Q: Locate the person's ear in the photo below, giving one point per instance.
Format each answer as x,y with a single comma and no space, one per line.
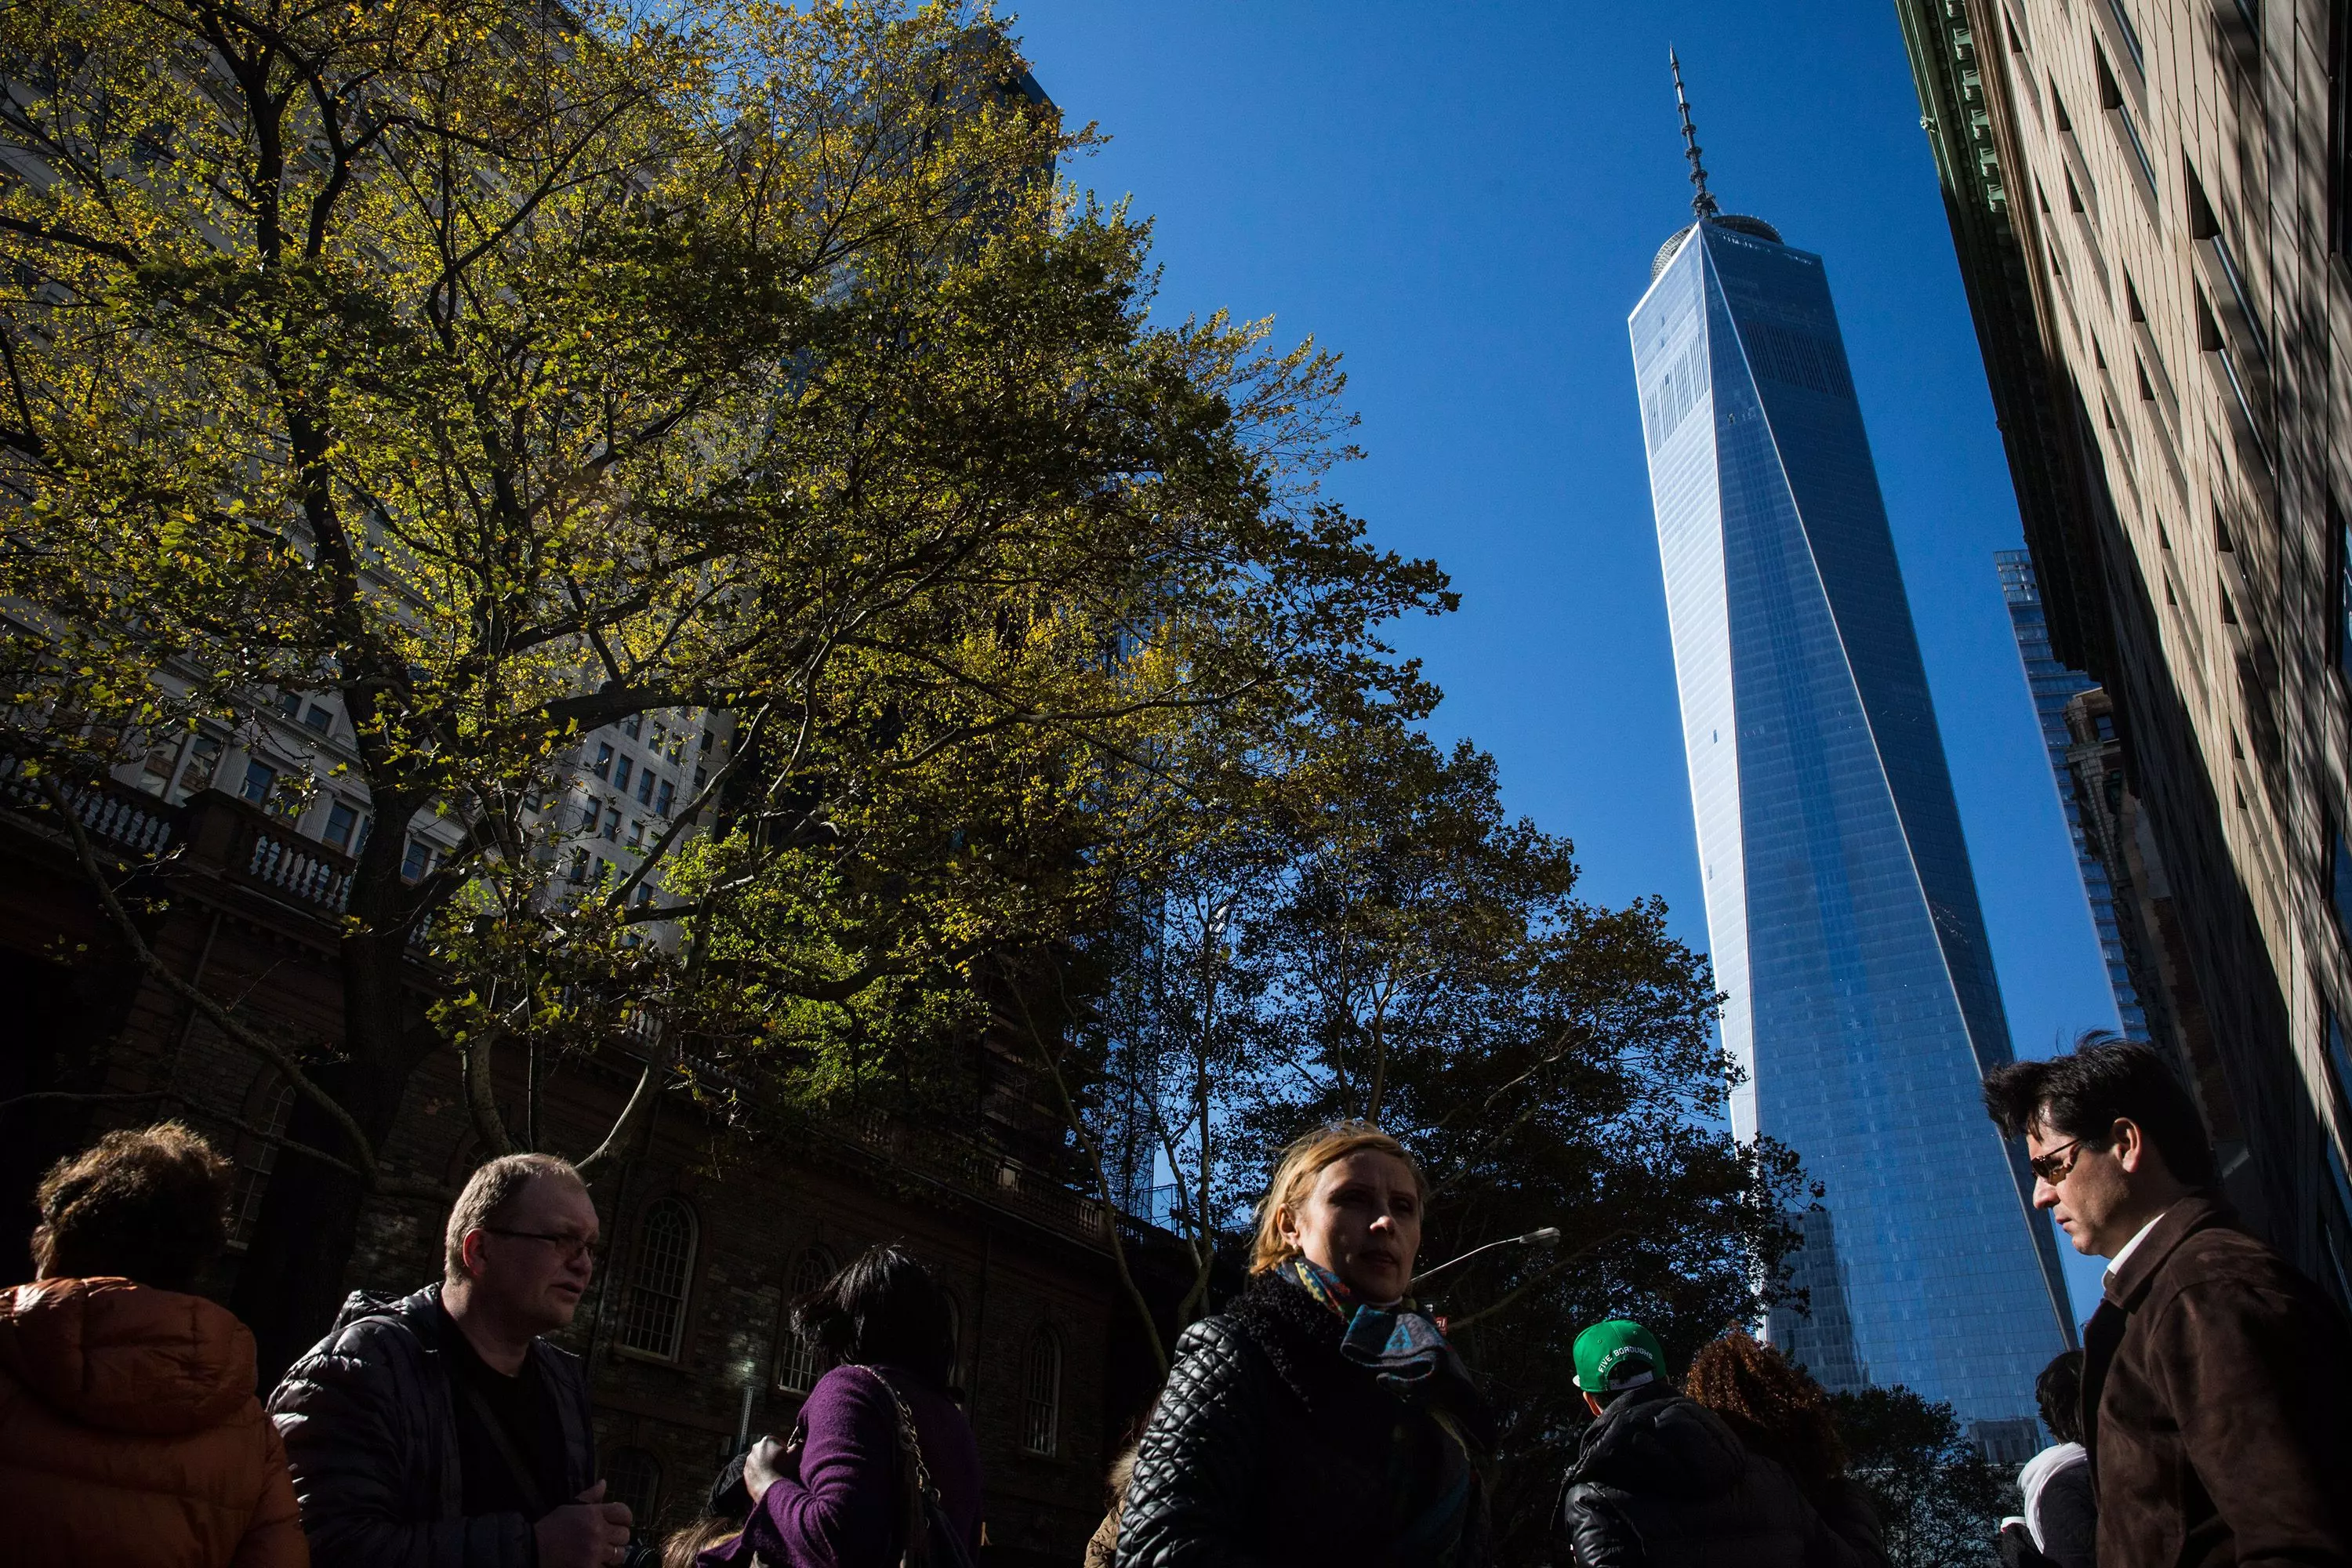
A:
470,1250
1285,1220
2130,1147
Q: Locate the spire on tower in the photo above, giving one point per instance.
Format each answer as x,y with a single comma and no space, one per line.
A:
1703,203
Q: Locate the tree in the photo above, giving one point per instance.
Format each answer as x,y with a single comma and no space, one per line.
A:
506,373
1360,930
1939,1499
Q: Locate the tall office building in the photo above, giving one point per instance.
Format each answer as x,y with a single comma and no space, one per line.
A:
1841,913
2151,204
2055,688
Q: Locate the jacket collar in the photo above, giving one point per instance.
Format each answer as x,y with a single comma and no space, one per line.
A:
2128,1285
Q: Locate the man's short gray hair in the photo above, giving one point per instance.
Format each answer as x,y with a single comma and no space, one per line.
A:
490,1190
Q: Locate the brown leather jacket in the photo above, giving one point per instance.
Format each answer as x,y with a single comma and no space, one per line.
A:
2217,1383
129,1433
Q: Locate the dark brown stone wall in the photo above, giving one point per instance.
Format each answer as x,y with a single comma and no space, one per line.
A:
87,1022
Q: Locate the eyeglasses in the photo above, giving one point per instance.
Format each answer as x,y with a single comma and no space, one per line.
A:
574,1246
2056,1165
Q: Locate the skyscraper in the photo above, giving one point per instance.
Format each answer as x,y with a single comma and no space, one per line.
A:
2054,686
1841,913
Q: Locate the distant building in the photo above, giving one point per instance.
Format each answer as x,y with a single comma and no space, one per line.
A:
2151,203
2054,687
1842,911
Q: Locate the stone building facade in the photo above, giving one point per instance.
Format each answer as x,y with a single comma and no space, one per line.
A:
708,1236
2149,203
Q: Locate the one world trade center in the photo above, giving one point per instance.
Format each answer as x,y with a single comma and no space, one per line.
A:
1841,909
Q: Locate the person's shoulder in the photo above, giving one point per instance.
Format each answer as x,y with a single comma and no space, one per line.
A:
373,1327
2223,1256
851,1391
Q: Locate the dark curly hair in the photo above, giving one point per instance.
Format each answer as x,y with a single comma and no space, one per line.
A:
1773,1405
148,1204
883,1307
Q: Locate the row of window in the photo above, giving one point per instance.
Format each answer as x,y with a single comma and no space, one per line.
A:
654,1316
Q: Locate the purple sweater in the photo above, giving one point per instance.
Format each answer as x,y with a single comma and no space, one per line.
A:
838,1508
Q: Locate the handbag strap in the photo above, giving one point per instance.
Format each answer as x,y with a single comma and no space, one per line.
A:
909,1440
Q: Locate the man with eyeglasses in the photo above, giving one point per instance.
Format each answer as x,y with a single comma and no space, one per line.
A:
2216,1380
440,1429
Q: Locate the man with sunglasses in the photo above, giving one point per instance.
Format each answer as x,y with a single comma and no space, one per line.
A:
2216,1380
440,1429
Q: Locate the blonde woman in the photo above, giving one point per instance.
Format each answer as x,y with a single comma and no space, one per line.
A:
1321,1418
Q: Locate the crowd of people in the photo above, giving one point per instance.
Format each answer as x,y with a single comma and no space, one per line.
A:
1320,1417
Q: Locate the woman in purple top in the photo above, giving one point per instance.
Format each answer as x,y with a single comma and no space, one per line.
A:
833,1495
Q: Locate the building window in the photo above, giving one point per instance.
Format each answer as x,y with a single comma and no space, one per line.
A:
1041,1395
2339,1073
2130,35
578,875
634,725
261,1157
319,719
620,766
2340,132
603,767
655,1319
2341,532
798,1363
2339,879
418,862
343,825
665,797
612,824
196,773
633,1475
260,779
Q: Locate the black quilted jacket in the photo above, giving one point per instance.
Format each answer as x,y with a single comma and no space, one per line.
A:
371,1436
1660,1482
1268,1449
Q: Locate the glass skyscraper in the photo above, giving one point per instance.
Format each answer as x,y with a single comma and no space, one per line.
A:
2054,686
1841,909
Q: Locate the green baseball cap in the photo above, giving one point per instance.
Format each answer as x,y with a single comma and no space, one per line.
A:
1619,1354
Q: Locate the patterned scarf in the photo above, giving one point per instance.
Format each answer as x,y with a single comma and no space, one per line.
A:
1430,1473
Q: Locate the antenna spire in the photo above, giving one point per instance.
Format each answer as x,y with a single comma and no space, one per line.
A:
1703,203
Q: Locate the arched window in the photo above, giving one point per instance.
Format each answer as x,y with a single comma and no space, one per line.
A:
655,1319
799,1366
1041,1391
633,1475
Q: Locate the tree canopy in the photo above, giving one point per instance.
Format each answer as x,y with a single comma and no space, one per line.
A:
506,372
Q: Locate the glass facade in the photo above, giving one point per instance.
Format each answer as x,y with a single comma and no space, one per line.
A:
2055,685
1841,913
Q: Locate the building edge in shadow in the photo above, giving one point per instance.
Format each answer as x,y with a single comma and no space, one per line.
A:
2136,191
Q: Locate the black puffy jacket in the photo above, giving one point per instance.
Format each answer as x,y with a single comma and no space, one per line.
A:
371,1432
1661,1482
1267,1447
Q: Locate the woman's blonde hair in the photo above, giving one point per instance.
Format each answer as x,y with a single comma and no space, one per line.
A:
1304,1159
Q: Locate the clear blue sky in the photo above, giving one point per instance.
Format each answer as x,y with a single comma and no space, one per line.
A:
1464,200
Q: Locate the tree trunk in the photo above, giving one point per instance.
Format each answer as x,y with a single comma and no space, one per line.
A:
293,1278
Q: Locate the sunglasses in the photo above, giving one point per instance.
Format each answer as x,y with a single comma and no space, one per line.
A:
2056,1166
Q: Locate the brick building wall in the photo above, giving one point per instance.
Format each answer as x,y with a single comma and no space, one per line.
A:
1051,1363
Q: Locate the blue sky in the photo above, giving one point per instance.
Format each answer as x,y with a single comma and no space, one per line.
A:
1464,200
